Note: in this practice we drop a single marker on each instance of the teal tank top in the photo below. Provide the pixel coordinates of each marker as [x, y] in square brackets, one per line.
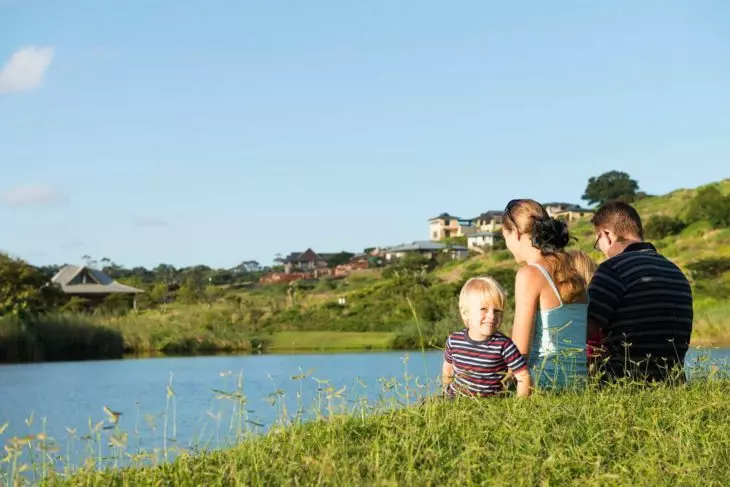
[558, 351]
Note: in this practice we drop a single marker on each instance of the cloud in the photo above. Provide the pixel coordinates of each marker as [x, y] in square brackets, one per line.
[148, 221]
[32, 195]
[25, 69]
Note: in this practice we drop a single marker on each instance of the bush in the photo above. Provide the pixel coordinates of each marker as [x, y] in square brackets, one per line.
[661, 226]
[709, 268]
[711, 205]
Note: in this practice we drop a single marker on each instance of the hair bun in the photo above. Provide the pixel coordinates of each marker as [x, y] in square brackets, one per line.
[549, 235]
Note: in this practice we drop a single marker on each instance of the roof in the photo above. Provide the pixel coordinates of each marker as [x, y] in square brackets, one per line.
[576, 208]
[445, 216]
[103, 284]
[488, 215]
[424, 245]
[310, 255]
[558, 203]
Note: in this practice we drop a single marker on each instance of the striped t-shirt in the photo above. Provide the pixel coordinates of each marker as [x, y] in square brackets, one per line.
[643, 304]
[480, 365]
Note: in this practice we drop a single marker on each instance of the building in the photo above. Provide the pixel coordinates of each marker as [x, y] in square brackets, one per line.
[489, 221]
[91, 284]
[447, 226]
[557, 207]
[572, 213]
[427, 249]
[482, 239]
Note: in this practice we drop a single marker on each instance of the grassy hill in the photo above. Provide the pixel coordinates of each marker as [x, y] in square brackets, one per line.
[393, 307]
[378, 304]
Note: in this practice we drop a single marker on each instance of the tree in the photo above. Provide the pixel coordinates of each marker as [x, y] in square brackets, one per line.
[341, 258]
[612, 185]
[711, 205]
[24, 289]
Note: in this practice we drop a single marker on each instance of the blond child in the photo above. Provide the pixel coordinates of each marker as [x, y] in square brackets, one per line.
[477, 358]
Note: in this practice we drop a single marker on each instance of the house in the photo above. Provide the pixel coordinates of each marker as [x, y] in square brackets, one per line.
[557, 207]
[482, 239]
[306, 261]
[446, 226]
[572, 213]
[488, 221]
[426, 248]
[91, 284]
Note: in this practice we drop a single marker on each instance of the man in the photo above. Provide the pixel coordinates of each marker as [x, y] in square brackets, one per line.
[639, 300]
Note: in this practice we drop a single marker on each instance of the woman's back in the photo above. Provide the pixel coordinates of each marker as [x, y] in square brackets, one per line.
[557, 356]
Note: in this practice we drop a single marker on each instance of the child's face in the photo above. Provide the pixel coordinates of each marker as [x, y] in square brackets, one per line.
[483, 319]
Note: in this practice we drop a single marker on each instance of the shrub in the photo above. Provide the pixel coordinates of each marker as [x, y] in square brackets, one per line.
[661, 226]
[711, 205]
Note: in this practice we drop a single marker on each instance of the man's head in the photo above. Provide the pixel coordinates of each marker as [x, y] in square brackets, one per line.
[617, 224]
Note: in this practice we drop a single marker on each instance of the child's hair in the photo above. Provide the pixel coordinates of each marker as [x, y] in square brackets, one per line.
[583, 264]
[489, 290]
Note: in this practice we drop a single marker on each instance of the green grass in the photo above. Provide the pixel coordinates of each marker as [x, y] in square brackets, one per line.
[619, 435]
[331, 341]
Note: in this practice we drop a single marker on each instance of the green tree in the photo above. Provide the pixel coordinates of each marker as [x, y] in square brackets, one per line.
[341, 258]
[24, 289]
[711, 205]
[159, 293]
[612, 185]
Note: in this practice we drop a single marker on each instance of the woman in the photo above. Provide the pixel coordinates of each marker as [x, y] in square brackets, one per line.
[551, 301]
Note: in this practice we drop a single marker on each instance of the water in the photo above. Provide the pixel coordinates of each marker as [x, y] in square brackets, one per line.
[72, 394]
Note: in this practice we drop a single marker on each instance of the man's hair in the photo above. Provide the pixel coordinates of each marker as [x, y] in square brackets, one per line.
[620, 218]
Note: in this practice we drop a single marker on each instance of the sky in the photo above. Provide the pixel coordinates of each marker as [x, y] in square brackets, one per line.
[217, 132]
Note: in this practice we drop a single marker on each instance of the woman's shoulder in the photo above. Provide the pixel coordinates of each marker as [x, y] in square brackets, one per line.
[529, 277]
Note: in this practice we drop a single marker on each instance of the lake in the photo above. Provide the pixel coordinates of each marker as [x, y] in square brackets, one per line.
[69, 397]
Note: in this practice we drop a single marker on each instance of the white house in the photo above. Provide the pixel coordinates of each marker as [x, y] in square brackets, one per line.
[482, 239]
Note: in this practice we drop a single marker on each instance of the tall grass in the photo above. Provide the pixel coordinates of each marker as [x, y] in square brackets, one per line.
[56, 337]
[617, 435]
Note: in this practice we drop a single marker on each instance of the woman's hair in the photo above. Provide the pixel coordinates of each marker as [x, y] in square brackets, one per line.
[488, 290]
[551, 237]
[583, 264]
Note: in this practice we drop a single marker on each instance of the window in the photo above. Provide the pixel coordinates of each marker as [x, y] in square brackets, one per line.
[435, 235]
[447, 223]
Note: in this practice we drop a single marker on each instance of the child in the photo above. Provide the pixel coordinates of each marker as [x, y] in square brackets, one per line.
[477, 358]
[586, 268]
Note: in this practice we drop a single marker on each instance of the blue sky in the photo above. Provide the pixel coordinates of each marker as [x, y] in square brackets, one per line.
[216, 132]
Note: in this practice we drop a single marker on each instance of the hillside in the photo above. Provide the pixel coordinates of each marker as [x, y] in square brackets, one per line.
[381, 304]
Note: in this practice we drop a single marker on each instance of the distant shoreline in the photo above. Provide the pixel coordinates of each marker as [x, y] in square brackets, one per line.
[307, 342]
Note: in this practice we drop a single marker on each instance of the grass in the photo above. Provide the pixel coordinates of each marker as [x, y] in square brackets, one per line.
[619, 435]
[331, 341]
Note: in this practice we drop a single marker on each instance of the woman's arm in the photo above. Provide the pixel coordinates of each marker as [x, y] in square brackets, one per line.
[527, 297]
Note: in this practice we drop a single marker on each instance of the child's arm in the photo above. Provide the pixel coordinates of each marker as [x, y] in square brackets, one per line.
[447, 375]
[523, 383]
[517, 364]
[447, 369]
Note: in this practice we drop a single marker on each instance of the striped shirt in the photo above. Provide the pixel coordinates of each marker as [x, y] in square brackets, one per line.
[643, 304]
[480, 366]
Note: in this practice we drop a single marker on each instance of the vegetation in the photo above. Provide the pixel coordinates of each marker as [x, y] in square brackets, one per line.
[662, 226]
[619, 435]
[612, 185]
[198, 309]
